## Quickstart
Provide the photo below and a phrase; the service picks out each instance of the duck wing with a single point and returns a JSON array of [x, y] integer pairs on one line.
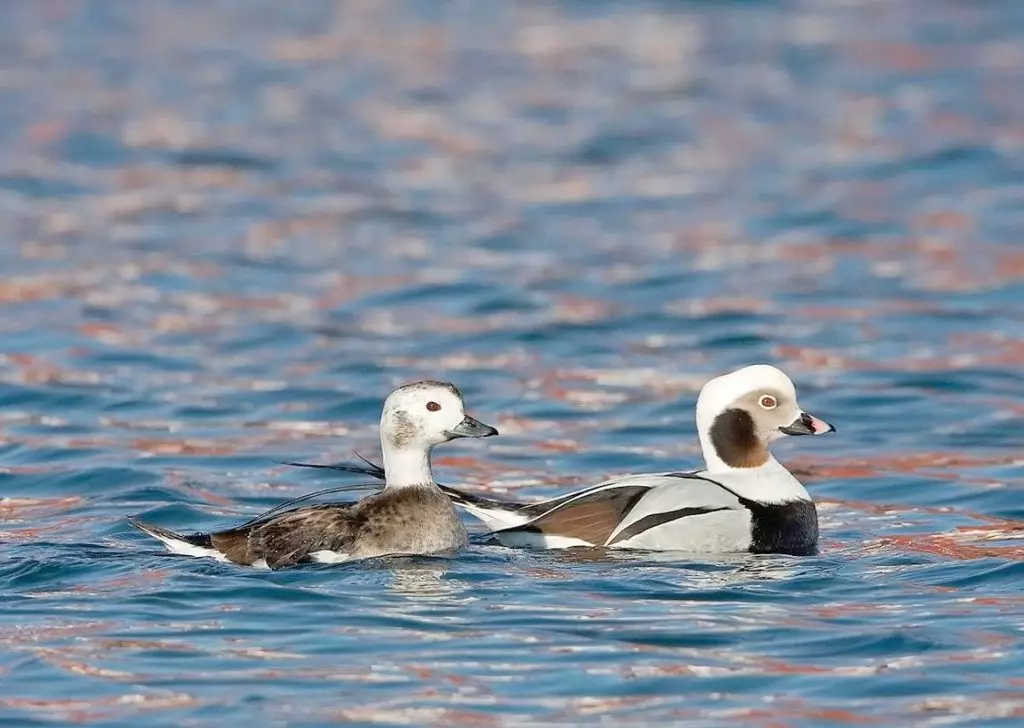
[[290, 537], [620, 511], [595, 503], [282, 540]]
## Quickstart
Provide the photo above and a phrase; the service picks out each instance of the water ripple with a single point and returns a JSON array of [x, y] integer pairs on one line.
[[230, 231]]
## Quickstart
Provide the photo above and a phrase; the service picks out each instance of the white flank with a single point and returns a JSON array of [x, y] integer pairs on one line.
[[184, 548], [329, 557], [718, 532], [532, 539]]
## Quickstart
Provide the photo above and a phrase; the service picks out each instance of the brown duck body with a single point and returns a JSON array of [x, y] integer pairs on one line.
[[411, 516], [417, 519]]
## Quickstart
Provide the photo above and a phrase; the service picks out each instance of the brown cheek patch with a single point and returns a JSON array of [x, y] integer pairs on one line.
[[402, 429], [735, 440]]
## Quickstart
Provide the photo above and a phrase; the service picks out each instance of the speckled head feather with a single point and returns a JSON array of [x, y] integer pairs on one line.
[[429, 384], [414, 419], [420, 415]]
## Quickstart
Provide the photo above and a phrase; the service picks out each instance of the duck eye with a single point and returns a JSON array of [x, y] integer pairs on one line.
[[769, 402], [433, 406]]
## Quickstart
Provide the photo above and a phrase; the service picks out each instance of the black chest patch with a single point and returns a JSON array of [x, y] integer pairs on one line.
[[783, 528]]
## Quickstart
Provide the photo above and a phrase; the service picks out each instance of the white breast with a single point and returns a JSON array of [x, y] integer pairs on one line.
[[329, 557]]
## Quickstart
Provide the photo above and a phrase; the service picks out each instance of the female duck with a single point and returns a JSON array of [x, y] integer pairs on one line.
[[410, 516]]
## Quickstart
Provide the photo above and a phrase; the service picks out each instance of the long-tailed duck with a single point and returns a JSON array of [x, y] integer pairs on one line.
[[410, 516]]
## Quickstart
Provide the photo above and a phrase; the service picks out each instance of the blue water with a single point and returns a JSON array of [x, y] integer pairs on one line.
[[229, 229]]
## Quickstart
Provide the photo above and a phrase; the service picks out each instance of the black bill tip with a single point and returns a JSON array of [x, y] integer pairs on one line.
[[807, 424], [470, 427]]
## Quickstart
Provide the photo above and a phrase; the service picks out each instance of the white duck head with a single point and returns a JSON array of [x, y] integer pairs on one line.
[[416, 417], [739, 414]]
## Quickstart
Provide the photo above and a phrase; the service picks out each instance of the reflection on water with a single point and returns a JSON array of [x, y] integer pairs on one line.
[[422, 580], [229, 230]]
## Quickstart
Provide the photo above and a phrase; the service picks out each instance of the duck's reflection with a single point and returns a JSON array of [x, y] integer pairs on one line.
[[694, 570], [422, 578]]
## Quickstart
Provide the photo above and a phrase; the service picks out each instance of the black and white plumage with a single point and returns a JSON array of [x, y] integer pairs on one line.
[[411, 515], [745, 500]]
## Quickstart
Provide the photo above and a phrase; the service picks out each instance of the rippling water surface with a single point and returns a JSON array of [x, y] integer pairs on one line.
[[229, 229]]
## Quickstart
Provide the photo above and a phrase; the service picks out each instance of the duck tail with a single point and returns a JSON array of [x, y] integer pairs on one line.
[[179, 543]]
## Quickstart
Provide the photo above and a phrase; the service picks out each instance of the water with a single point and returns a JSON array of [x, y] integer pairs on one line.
[[229, 229]]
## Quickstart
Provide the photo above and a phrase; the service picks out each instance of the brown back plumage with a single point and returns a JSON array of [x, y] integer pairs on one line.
[[290, 537]]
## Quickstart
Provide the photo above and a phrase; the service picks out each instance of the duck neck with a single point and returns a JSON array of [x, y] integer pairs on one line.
[[712, 461], [404, 467], [770, 483]]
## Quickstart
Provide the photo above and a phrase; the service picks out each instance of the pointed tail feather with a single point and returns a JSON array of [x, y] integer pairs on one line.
[[195, 544]]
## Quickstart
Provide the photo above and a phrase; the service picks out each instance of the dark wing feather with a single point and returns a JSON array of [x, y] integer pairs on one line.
[[290, 537], [590, 518], [234, 544], [656, 519], [539, 508]]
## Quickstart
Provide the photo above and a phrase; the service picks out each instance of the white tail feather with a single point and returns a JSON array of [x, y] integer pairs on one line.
[[495, 518]]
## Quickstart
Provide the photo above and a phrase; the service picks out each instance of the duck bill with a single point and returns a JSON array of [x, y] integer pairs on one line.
[[807, 424], [470, 427]]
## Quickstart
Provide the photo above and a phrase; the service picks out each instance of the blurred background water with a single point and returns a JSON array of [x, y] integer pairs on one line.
[[228, 229]]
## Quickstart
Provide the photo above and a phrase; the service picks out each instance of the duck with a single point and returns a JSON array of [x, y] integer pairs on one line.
[[742, 500], [409, 516]]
